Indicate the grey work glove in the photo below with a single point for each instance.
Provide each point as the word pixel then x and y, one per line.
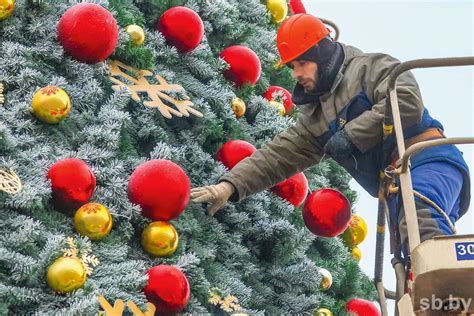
pixel 217 195
pixel 339 146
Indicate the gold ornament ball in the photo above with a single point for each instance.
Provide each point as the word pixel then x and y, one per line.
pixel 323 312
pixel 137 35
pixel 326 279
pixel 93 220
pixel 278 9
pixel 279 106
pixel 277 65
pixel 160 239
pixel 238 106
pixel 356 232
pixel 6 9
pixel 51 104
pixel 66 274
pixel 356 254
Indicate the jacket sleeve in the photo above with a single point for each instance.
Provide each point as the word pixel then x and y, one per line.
pixel 290 152
pixel 366 130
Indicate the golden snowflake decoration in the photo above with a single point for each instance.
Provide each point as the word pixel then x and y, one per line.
pixel 158 94
pixel 228 304
pixel 89 261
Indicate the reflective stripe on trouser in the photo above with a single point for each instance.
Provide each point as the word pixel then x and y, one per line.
pixel 441 182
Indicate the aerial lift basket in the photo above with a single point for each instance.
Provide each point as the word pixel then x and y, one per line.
pixel 438 278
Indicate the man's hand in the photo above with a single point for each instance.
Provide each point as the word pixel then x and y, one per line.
pixel 339 146
pixel 217 195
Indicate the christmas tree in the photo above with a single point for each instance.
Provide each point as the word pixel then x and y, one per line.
pixel 94 94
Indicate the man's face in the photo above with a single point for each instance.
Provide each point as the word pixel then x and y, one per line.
pixel 305 72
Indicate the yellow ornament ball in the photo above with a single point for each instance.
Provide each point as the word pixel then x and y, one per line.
pixel 277 65
pixel 137 35
pixel 326 279
pixel 51 104
pixel 66 274
pixel 160 239
pixel 323 312
pixel 355 232
pixel 278 9
pixel 93 220
pixel 356 254
pixel 279 106
pixel 6 9
pixel 238 106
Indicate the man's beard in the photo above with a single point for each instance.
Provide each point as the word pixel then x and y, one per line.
pixel 315 85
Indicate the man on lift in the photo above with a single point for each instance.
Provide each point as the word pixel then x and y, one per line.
pixel 341 92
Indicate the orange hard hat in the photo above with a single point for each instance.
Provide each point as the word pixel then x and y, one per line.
pixel 297 34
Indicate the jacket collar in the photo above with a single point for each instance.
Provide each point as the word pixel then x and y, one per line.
pixel 349 54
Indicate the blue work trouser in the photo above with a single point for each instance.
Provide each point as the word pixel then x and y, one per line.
pixel 441 182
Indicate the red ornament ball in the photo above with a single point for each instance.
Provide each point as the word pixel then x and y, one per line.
pixel 182 28
pixel 279 94
pixel 244 65
pixel 327 212
pixel 294 189
pixel 167 289
pixel 234 151
pixel 88 32
pixel 72 183
pixel 161 188
pixel 360 307
pixel 296 6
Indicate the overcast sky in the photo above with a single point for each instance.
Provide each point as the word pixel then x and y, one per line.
pixel 411 30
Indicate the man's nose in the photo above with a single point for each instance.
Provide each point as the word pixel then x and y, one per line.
pixel 296 73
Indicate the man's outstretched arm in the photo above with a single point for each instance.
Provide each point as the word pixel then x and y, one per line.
pixel 289 153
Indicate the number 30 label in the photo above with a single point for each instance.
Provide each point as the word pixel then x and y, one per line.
pixel 465 250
